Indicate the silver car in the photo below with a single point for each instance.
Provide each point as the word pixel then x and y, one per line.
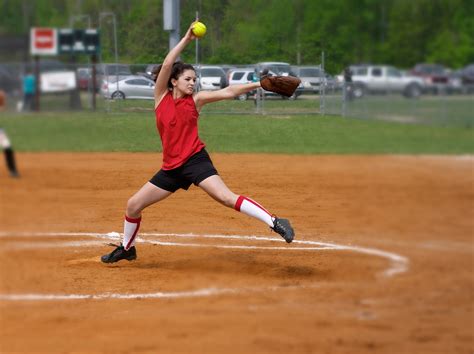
pixel 210 78
pixel 242 76
pixel 128 87
pixel 312 77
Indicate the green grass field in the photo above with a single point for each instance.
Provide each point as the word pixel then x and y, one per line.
pixel 293 134
pixel 442 110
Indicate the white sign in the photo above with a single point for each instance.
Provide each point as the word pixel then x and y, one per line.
pixel 43 41
pixel 58 81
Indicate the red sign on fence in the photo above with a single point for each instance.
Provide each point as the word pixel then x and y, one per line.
pixel 43 41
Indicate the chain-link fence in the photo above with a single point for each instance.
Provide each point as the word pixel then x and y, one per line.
pixel 120 88
pixel 445 108
pixel 62 87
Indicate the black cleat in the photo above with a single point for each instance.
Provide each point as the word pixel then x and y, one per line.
pixel 119 253
pixel 283 227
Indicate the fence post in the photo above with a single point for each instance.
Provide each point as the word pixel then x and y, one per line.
pixel 37 83
pixel 322 91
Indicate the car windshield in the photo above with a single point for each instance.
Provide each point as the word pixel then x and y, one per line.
pixel 238 75
pixel 278 69
pixel 211 72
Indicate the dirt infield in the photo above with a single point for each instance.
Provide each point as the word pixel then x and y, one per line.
pixel 383 262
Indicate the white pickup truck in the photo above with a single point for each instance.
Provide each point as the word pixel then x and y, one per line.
pixel 384 79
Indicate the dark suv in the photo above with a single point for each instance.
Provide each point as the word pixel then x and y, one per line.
pixel 467 78
pixel 435 76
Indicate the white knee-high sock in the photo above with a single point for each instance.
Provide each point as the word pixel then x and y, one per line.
pixel 253 209
pixel 130 230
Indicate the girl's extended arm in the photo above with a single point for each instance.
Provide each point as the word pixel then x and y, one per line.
pixel 161 85
pixel 204 97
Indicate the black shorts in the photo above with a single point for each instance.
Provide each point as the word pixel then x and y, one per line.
pixel 198 167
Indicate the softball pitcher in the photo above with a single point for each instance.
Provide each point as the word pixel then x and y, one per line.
pixel 185 159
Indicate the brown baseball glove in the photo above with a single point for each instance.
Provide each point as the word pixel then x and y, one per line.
pixel 283 85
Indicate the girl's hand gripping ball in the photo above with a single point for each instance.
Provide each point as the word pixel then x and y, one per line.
pixel 199 29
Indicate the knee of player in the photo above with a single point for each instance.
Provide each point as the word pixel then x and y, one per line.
pixel 133 207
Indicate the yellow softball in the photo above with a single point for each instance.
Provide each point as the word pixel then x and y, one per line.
pixel 199 29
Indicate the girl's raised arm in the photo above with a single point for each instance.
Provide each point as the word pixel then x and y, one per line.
pixel 161 85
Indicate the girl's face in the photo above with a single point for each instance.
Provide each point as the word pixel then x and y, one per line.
pixel 185 82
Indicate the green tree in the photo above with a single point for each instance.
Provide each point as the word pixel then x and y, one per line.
pixel 397 32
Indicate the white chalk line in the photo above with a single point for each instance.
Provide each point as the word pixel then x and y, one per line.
pixel 398 263
pixel 157 295
pixel 204 292
pixel 393 257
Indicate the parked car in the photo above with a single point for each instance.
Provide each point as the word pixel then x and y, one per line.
pixel 84 79
pixel 435 77
pixel 383 79
pixel 466 76
pixel 311 78
pixel 276 68
pixel 210 78
pixel 128 87
pixel 242 76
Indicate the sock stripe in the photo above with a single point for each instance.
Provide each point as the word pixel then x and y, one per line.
pixel 253 209
pixel 239 202
pixel 132 220
pixel 137 226
pixel 133 237
pixel 256 204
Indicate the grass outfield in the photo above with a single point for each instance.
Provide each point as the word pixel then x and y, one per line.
pixel 293 134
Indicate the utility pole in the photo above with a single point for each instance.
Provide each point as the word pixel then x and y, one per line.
pixel 197 43
pixel 91 87
pixel 171 16
pixel 75 96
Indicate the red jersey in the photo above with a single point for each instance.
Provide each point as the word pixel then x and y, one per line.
pixel 176 121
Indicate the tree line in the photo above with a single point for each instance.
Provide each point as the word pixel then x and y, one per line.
pixel 397 32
